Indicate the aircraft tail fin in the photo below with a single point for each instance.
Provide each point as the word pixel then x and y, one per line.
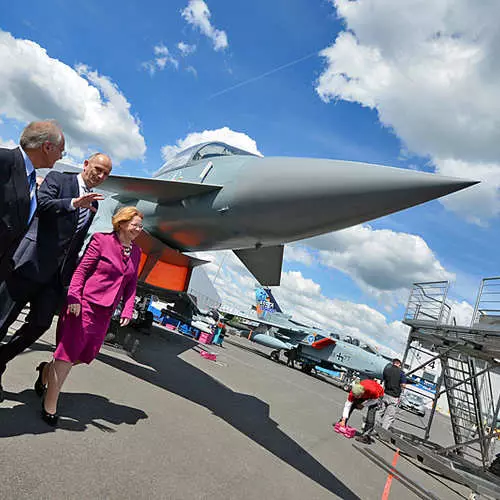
pixel 266 304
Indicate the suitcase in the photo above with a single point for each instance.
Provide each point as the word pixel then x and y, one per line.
pixel 348 432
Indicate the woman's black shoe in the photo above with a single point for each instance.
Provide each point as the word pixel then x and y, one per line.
pixel 49 418
pixel 39 385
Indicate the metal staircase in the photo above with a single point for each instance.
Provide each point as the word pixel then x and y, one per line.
pixel 465 362
pixel 471 409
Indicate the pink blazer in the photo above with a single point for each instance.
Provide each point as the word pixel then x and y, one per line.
pixel 103 278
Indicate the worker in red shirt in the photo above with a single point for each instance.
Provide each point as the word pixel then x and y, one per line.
pixel 364 394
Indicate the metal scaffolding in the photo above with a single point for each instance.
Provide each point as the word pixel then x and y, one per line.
pixel 465 358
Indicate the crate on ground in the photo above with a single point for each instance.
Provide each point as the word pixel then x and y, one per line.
pixel 206 338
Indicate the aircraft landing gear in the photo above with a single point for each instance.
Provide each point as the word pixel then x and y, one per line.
pixel 349 378
pixel 275 356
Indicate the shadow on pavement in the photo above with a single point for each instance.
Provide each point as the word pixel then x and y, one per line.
pixel 247 414
pixel 77 412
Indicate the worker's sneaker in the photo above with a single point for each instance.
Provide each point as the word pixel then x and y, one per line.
pixel 364 439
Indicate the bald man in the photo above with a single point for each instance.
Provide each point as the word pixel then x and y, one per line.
pixel 40 146
pixel 47 256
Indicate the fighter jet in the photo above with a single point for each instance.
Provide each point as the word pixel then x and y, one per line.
pixel 313 346
pixel 214 196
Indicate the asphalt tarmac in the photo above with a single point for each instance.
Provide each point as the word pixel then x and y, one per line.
pixel 170 424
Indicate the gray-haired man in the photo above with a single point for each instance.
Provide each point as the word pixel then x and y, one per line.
pixel 41 145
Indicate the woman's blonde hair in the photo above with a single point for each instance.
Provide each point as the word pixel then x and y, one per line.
pixel 125 214
pixel 357 389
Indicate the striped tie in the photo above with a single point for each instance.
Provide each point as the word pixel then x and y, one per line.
pixel 32 188
pixel 83 213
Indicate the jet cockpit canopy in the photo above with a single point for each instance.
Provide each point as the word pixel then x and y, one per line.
pixel 200 152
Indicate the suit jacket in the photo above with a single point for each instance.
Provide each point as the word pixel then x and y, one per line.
pixel 14 206
pixel 104 277
pixel 51 247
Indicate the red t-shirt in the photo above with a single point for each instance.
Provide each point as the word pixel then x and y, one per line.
pixel 373 390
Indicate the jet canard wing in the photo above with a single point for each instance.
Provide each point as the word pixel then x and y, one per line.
pixel 264 263
pixel 156 190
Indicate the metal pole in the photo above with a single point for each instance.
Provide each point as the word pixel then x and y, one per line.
pixel 408 343
pixel 443 303
pixel 430 360
pixel 437 395
pixel 478 299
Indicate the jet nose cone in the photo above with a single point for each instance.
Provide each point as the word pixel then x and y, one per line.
pixel 306 197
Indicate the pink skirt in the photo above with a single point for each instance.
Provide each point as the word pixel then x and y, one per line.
pixel 79 338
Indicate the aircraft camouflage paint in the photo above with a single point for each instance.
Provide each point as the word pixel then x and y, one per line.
pixel 213 196
pixel 314 347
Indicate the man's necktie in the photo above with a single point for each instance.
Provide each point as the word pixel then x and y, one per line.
pixel 32 188
pixel 83 213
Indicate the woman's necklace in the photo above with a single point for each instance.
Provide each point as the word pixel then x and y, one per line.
pixel 126 249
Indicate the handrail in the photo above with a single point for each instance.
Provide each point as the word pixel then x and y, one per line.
pixel 418 295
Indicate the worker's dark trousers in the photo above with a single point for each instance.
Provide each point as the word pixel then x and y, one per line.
pixel 372 405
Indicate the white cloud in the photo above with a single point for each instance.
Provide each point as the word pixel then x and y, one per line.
pixel 92 111
pixel 198 14
pixel 461 311
pixel 431 71
pixel 7 143
pixel 162 57
pixel 192 70
pixel 186 48
pixel 483 198
pixel 382 262
pixel 298 253
pixel 303 299
pixel 224 134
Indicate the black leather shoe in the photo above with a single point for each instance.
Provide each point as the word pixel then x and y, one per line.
pixel 364 439
pixel 51 419
pixel 39 385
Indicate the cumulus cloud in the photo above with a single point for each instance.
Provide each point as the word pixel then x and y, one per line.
pixel 162 57
pixel 303 298
pixel 198 15
pixel 185 48
pixel 7 143
pixel 461 311
pixel 431 72
pixel 90 108
pixel 340 316
pixel 483 198
pixel 382 262
pixel 224 134
pixel 298 253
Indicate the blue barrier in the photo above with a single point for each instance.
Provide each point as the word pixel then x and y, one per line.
pixel 328 372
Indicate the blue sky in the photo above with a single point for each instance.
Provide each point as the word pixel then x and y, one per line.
pixel 393 87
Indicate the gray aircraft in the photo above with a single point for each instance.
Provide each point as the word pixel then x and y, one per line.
pixel 312 346
pixel 213 196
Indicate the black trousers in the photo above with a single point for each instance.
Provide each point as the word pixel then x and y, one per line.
pixel 371 413
pixel 44 299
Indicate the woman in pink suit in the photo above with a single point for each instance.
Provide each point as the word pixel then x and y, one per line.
pixel 106 274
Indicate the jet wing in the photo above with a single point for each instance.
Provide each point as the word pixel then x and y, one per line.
pixel 256 319
pixel 264 263
pixel 155 190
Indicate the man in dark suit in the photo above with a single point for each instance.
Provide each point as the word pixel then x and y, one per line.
pixel 47 256
pixel 41 145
